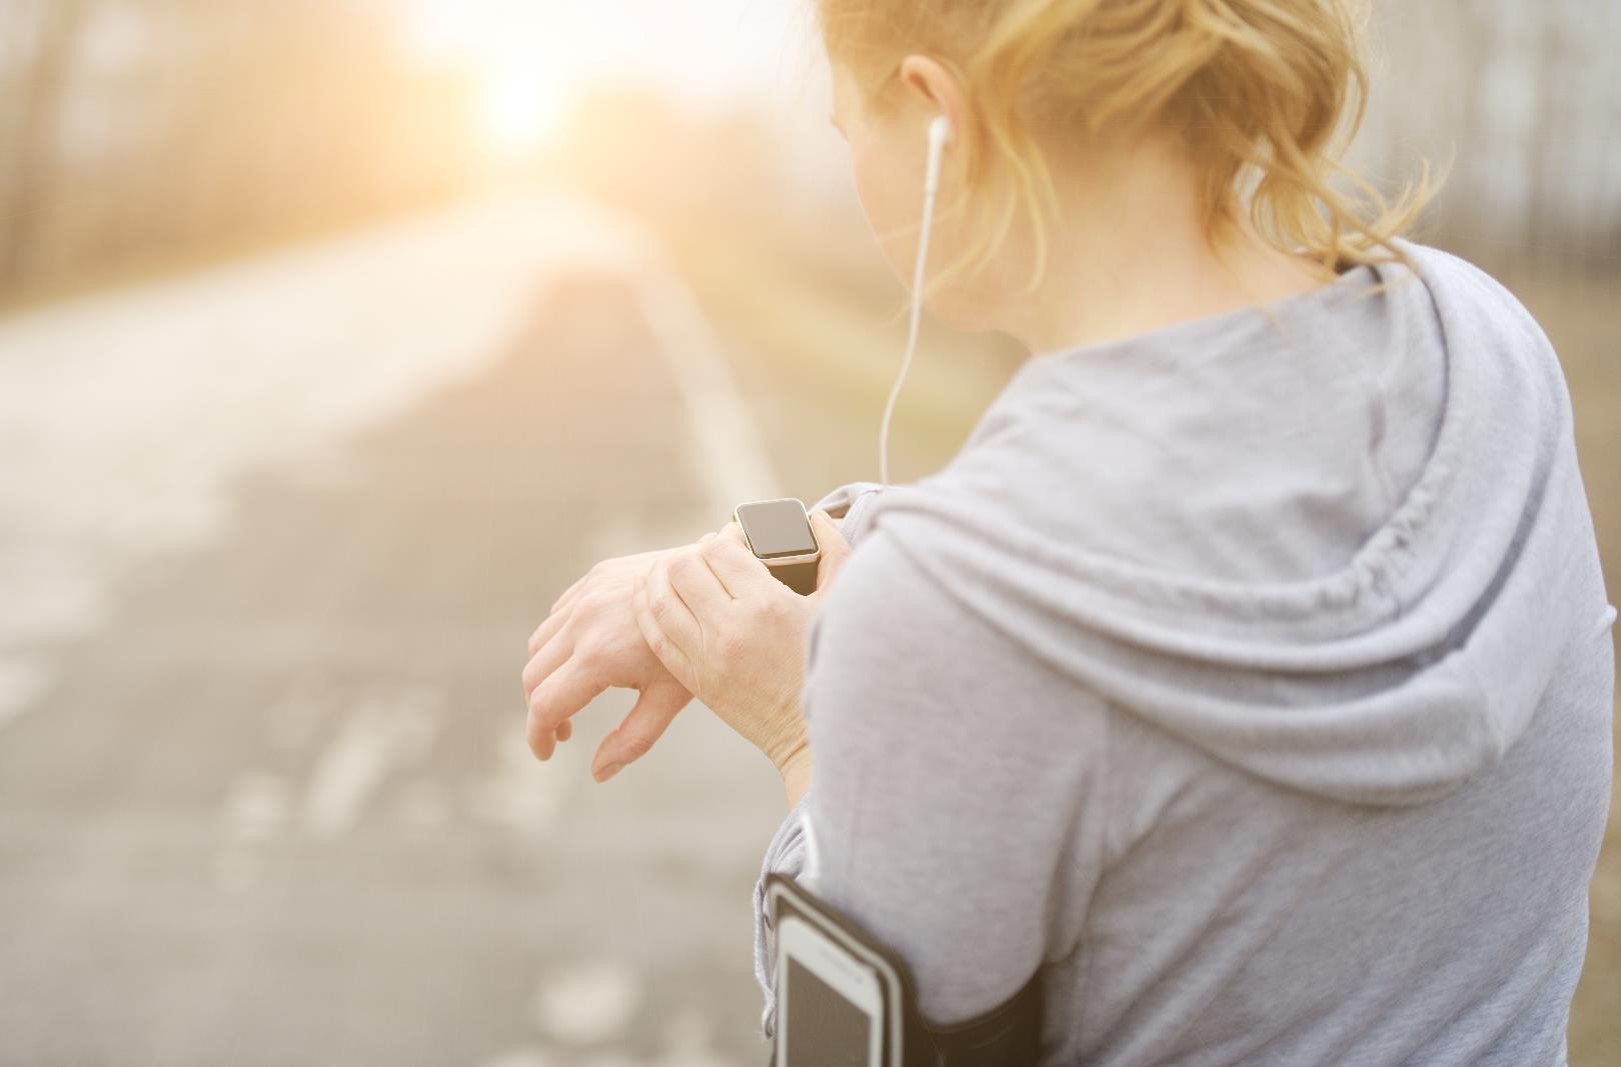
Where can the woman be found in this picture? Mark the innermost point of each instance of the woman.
(1248, 670)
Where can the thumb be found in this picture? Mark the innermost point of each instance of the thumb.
(641, 729)
(835, 549)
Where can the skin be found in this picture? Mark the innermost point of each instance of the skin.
(1127, 254)
(706, 619)
(735, 637)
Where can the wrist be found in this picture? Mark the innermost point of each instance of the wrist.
(795, 769)
(782, 739)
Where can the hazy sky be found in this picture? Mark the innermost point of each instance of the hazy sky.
(537, 54)
(700, 46)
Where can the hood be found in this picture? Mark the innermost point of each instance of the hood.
(1339, 542)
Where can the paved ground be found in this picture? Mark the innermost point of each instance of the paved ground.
(268, 802)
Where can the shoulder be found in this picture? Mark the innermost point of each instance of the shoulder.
(890, 612)
(1496, 333)
(893, 642)
(1465, 293)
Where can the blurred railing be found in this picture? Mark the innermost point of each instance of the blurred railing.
(133, 130)
(1520, 104)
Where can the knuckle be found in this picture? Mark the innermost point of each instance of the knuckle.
(615, 652)
(589, 650)
(590, 603)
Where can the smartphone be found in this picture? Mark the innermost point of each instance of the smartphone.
(829, 1003)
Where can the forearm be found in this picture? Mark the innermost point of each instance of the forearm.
(795, 768)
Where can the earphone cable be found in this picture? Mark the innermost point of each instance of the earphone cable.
(911, 336)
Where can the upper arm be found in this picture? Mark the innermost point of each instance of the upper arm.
(950, 775)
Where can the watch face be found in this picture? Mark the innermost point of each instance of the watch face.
(777, 528)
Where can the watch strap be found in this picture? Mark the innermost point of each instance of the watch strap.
(800, 577)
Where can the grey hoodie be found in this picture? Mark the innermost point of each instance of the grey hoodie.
(1252, 676)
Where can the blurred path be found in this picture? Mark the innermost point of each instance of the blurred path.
(264, 797)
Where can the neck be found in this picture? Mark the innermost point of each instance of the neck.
(1129, 254)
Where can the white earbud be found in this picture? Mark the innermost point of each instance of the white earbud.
(939, 135)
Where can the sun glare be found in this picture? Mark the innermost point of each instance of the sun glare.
(525, 81)
(532, 58)
(520, 110)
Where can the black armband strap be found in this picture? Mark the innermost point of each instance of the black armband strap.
(1008, 1035)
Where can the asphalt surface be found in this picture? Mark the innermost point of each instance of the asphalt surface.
(274, 804)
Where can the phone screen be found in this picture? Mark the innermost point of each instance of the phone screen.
(777, 528)
(824, 1027)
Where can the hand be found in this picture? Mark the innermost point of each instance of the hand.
(591, 641)
(735, 636)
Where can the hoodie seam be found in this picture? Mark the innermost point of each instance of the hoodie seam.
(1378, 566)
(1083, 981)
(1399, 557)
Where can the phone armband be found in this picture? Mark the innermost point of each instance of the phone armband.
(1008, 1035)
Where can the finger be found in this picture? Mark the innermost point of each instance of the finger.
(557, 615)
(568, 594)
(670, 613)
(835, 549)
(696, 583)
(562, 607)
(564, 692)
(565, 730)
(674, 660)
(739, 570)
(549, 626)
(546, 660)
(644, 724)
(829, 531)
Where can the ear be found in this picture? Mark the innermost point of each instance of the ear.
(936, 90)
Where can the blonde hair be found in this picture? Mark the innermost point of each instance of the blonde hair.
(1264, 95)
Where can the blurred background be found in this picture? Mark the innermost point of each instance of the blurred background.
(338, 337)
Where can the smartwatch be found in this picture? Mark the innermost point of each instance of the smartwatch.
(779, 534)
